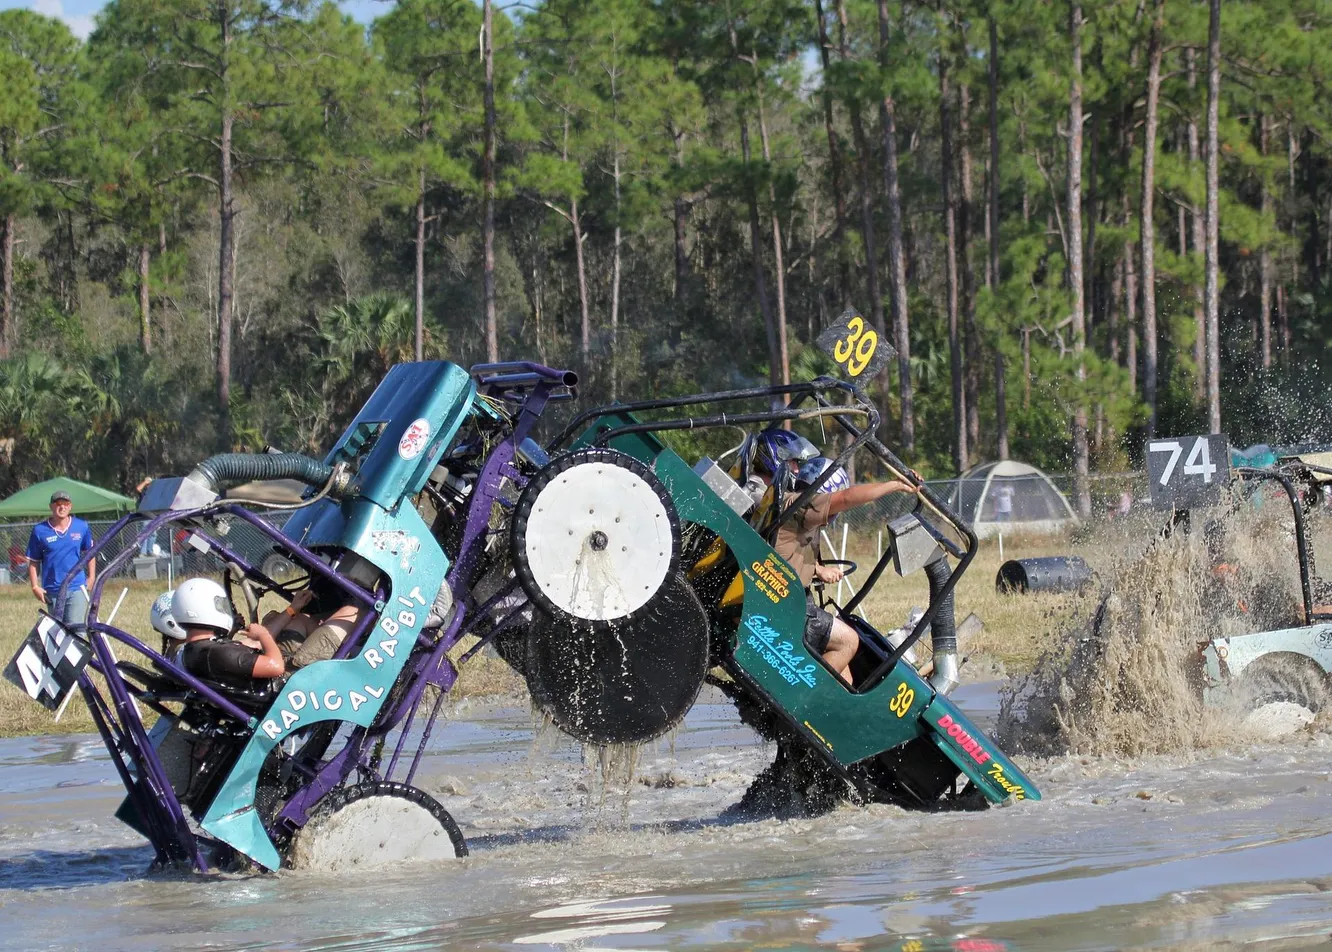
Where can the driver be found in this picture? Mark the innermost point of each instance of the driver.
(201, 607)
(832, 638)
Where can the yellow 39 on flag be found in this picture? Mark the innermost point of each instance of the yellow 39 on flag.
(856, 346)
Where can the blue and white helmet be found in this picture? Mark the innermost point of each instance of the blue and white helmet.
(812, 470)
(777, 447)
(163, 620)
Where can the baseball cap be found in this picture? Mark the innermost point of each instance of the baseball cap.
(60, 496)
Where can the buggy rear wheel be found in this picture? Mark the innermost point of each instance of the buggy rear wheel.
(1280, 694)
(376, 824)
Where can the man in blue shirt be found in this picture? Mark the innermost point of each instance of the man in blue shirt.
(58, 546)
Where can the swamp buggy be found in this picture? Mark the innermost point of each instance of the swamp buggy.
(614, 576)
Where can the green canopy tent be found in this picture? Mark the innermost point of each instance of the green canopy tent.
(36, 499)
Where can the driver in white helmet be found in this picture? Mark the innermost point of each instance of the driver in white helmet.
(201, 607)
(165, 623)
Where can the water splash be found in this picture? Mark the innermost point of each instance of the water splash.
(1125, 678)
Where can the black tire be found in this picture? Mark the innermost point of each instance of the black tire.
(1284, 677)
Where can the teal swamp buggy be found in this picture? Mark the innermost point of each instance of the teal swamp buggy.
(614, 576)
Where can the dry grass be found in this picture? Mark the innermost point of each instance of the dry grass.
(1017, 628)
(482, 675)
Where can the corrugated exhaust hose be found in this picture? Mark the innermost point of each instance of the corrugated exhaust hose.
(244, 467)
(943, 629)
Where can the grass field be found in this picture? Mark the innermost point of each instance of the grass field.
(1016, 628)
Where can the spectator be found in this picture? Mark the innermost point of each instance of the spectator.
(1003, 503)
(56, 548)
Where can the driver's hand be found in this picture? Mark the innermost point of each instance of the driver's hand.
(829, 573)
(301, 599)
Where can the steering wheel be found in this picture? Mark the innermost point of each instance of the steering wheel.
(826, 599)
(850, 566)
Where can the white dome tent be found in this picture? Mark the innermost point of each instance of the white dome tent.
(1008, 496)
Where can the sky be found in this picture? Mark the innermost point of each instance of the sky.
(79, 14)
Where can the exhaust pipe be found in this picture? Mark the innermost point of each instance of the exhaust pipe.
(943, 629)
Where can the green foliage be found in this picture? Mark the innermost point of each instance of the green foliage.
(627, 116)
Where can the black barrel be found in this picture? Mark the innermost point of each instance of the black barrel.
(1055, 573)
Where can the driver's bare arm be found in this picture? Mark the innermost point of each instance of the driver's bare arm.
(862, 494)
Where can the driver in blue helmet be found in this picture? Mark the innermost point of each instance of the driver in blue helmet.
(834, 640)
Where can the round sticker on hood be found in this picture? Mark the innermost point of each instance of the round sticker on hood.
(414, 439)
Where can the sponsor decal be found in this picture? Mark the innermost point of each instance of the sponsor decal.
(414, 439)
(1016, 791)
(397, 542)
(771, 577)
(777, 652)
(963, 739)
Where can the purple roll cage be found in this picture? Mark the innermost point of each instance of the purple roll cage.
(531, 387)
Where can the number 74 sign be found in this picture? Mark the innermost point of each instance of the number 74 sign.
(1188, 472)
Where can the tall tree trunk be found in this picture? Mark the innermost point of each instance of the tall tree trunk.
(488, 185)
(778, 265)
(866, 190)
(145, 315)
(960, 454)
(1265, 259)
(1213, 288)
(1081, 461)
(992, 272)
(420, 264)
(1147, 220)
(7, 330)
(896, 256)
(1112, 312)
(681, 219)
(585, 319)
(615, 283)
(1199, 318)
(225, 280)
(834, 164)
(1130, 309)
(756, 253)
(970, 339)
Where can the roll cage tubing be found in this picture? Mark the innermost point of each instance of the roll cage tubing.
(306, 557)
(926, 499)
(1301, 543)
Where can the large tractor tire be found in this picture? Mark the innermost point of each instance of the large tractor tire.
(619, 649)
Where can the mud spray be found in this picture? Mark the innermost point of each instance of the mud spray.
(1126, 676)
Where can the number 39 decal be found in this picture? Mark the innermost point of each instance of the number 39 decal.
(902, 701)
(855, 350)
(855, 346)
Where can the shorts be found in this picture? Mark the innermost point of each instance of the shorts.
(818, 626)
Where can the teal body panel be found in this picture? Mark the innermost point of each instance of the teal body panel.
(976, 755)
(769, 643)
(769, 648)
(375, 525)
(434, 397)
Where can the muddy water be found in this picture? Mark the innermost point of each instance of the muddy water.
(1225, 849)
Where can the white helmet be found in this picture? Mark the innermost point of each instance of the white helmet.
(163, 620)
(201, 601)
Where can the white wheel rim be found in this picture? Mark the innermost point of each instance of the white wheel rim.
(372, 832)
(598, 541)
